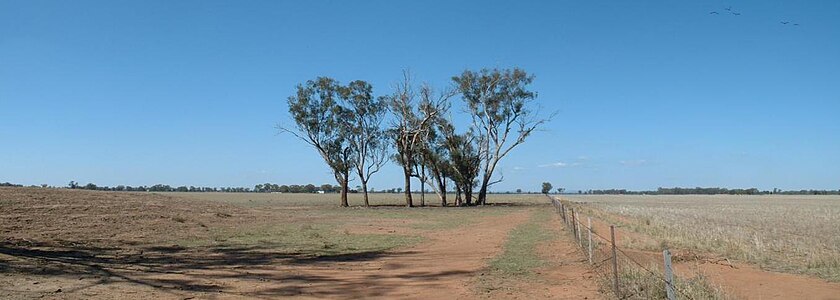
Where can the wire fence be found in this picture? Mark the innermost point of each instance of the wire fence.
(613, 265)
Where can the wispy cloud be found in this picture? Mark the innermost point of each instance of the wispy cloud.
(577, 162)
(561, 164)
(558, 164)
(633, 163)
(518, 168)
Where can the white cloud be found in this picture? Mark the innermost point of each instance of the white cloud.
(579, 161)
(633, 163)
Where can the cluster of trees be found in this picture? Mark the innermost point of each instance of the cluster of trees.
(709, 191)
(356, 133)
(7, 184)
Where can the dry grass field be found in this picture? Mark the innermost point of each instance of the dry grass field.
(793, 234)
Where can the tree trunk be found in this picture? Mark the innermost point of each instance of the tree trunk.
(482, 193)
(468, 195)
(364, 188)
(442, 184)
(422, 185)
(407, 174)
(458, 200)
(344, 180)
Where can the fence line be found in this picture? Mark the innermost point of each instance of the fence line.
(591, 250)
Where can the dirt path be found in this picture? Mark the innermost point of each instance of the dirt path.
(569, 277)
(442, 267)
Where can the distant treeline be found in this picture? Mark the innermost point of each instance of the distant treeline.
(327, 188)
(259, 188)
(709, 191)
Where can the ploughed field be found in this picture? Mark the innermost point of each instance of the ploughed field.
(72, 244)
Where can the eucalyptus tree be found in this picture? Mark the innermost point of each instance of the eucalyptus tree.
(464, 162)
(320, 121)
(546, 187)
(410, 125)
(432, 155)
(500, 104)
(437, 166)
(434, 151)
(366, 135)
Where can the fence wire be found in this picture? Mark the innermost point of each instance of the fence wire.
(602, 258)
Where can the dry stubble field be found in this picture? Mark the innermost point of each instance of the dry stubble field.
(761, 247)
(73, 244)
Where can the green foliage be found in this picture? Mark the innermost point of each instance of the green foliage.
(343, 123)
(320, 122)
(546, 187)
(502, 117)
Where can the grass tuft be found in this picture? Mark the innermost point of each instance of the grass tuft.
(640, 284)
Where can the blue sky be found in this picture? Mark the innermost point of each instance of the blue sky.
(648, 93)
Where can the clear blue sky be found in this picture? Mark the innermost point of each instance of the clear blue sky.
(649, 93)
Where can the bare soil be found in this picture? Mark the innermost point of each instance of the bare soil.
(67, 244)
(569, 276)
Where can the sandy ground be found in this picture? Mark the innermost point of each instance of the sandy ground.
(90, 245)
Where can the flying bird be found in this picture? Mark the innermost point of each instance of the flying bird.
(736, 13)
(785, 22)
(795, 24)
(728, 8)
(714, 13)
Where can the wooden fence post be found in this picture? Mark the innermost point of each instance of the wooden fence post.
(669, 275)
(574, 228)
(589, 227)
(580, 240)
(615, 262)
(563, 211)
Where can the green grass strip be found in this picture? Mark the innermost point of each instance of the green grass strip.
(521, 256)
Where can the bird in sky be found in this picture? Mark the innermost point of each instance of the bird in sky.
(785, 22)
(714, 13)
(736, 13)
